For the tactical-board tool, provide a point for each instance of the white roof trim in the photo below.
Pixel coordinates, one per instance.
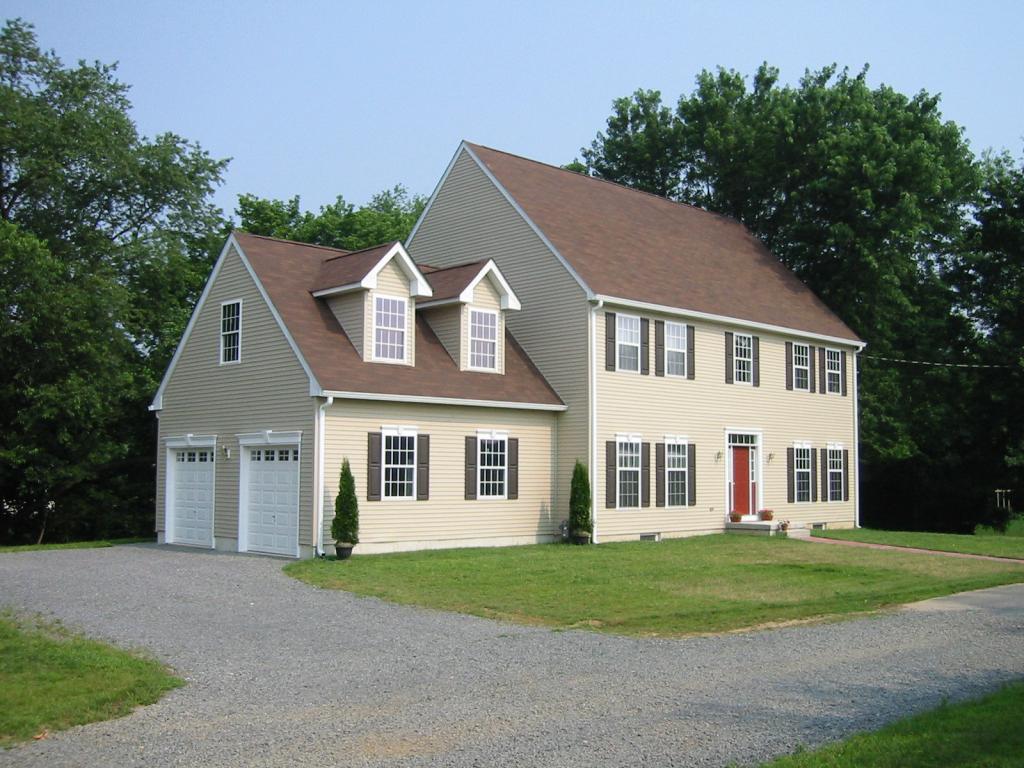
(725, 319)
(497, 184)
(442, 401)
(314, 386)
(509, 300)
(418, 285)
(340, 289)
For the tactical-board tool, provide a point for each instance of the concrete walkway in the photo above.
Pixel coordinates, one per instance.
(282, 674)
(872, 545)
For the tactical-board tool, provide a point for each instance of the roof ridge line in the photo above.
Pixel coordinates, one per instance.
(362, 250)
(339, 251)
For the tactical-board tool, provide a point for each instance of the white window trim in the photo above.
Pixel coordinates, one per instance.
(398, 431)
(807, 367)
(666, 350)
(685, 442)
(220, 321)
(639, 343)
(621, 438)
(490, 434)
(404, 360)
(736, 358)
(829, 447)
(839, 372)
(497, 339)
(804, 445)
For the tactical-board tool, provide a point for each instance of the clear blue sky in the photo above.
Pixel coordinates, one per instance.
(326, 98)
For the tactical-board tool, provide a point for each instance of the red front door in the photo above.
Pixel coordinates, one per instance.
(741, 486)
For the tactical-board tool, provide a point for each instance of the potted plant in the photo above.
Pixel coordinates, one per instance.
(735, 517)
(345, 526)
(766, 514)
(580, 524)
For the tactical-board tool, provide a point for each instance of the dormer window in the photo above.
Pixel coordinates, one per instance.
(389, 328)
(231, 332)
(483, 340)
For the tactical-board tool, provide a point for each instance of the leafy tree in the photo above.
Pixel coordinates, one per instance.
(579, 501)
(345, 525)
(106, 240)
(390, 215)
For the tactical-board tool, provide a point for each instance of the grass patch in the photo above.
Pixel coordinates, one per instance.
(74, 545)
(986, 733)
(996, 545)
(677, 587)
(51, 679)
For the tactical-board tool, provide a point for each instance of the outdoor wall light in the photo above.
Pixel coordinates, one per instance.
(227, 451)
(770, 457)
(718, 457)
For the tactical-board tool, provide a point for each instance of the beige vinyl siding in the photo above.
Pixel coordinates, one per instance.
(446, 322)
(391, 281)
(469, 219)
(446, 516)
(485, 296)
(268, 389)
(702, 410)
(350, 311)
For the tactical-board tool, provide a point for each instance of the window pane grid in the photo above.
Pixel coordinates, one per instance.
(629, 474)
(801, 366)
(675, 470)
(492, 467)
(389, 329)
(743, 358)
(802, 473)
(483, 340)
(833, 367)
(835, 474)
(628, 342)
(230, 331)
(399, 466)
(675, 349)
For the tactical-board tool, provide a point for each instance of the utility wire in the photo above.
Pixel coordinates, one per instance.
(926, 362)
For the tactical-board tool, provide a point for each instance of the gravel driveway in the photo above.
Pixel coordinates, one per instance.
(283, 674)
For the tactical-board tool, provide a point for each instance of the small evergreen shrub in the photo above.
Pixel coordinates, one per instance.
(579, 501)
(345, 526)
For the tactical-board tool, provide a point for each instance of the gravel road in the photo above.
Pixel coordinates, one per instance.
(282, 674)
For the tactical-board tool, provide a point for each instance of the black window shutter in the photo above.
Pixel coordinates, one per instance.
(842, 372)
(823, 382)
(659, 347)
(423, 467)
(659, 474)
(373, 450)
(810, 360)
(756, 354)
(814, 473)
(824, 475)
(790, 473)
(609, 341)
(728, 357)
(513, 468)
(610, 459)
(691, 360)
(470, 467)
(645, 474)
(789, 366)
(645, 346)
(846, 473)
(691, 474)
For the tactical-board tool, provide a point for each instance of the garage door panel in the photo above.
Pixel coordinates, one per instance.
(191, 509)
(273, 500)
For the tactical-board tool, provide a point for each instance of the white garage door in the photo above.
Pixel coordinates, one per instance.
(192, 503)
(273, 500)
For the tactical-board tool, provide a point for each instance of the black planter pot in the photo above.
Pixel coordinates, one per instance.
(580, 538)
(343, 551)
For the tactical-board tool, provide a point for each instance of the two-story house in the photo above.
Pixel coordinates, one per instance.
(536, 317)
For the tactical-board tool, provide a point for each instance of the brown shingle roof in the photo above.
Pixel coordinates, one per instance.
(288, 270)
(449, 283)
(634, 245)
(347, 267)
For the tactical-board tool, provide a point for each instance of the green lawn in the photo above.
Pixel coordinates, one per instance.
(676, 587)
(73, 545)
(51, 679)
(978, 544)
(979, 733)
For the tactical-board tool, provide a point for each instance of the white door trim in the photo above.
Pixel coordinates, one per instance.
(758, 467)
(171, 445)
(246, 443)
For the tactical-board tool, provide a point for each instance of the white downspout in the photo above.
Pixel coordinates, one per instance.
(594, 308)
(318, 507)
(856, 444)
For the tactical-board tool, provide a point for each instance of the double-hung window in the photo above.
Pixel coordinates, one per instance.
(627, 342)
(675, 349)
(389, 328)
(492, 466)
(835, 474)
(483, 339)
(802, 472)
(833, 371)
(628, 472)
(743, 358)
(231, 331)
(399, 464)
(675, 473)
(802, 367)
